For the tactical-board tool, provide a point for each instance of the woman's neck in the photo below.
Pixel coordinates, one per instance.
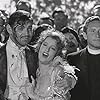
(41, 65)
(43, 68)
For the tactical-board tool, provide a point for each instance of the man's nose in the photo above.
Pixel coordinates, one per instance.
(25, 31)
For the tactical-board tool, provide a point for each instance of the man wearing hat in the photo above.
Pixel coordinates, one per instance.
(72, 40)
(17, 59)
(88, 61)
(60, 19)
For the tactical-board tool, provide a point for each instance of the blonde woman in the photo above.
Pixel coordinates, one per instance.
(52, 69)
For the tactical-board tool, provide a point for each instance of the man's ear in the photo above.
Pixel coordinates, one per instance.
(9, 29)
(85, 35)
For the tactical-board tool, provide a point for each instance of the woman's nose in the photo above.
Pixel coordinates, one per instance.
(47, 49)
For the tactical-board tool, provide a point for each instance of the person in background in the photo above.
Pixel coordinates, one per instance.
(60, 19)
(17, 59)
(24, 7)
(52, 69)
(72, 40)
(83, 41)
(45, 19)
(37, 32)
(88, 61)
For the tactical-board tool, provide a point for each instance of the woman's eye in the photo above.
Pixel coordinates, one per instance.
(20, 27)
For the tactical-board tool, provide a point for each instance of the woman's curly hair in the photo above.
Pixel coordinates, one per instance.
(54, 34)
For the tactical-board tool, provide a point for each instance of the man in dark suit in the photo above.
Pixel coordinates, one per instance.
(17, 59)
(88, 61)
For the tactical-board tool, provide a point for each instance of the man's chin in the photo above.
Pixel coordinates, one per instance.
(24, 44)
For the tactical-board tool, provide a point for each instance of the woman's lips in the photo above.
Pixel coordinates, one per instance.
(45, 54)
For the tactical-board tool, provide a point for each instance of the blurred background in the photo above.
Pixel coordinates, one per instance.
(78, 10)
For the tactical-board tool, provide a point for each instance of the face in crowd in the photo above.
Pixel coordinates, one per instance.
(72, 43)
(51, 46)
(93, 34)
(21, 30)
(47, 50)
(60, 20)
(72, 40)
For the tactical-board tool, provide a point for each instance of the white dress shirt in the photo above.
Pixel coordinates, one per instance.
(94, 52)
(17, 71)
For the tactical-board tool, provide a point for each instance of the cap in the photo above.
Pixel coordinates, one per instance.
(70, 30)
(22, 5)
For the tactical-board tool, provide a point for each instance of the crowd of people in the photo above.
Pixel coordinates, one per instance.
(49, 60)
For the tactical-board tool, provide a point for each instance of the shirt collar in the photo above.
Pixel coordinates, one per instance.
(94, 52)
(14, 48)
(13, 45)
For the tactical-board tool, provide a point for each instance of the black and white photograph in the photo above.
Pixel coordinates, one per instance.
(49, 49)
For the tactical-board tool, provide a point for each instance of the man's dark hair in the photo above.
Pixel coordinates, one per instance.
(16, 17)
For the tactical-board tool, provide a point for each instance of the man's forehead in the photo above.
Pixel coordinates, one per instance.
(22, 22)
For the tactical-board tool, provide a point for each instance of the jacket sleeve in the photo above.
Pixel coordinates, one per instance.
(2, 95)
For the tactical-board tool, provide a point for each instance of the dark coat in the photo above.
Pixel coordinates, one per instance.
(81, 90)
(31, 59)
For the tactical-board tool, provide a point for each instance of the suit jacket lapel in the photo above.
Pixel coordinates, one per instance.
(3, 67)
(31, 62)
(84, 63)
